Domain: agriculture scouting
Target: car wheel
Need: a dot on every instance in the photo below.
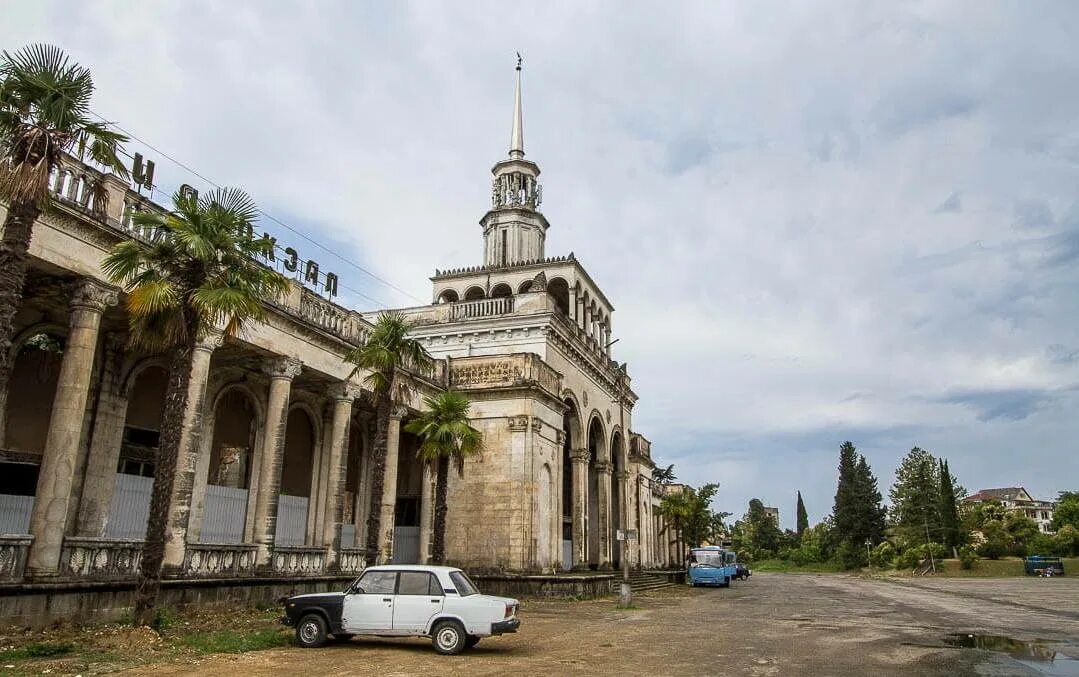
(726, 582)
(449, 638)
(311, 631)
(471, 641)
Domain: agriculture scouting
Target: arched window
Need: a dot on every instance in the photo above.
(448, 296)
(501, 290)
(474, 294)
(559, 290)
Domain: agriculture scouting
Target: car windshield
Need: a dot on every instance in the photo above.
(708, 559)
(464, 586)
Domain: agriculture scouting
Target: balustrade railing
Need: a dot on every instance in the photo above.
(463, 310)
(508, 370)
(299, 560)
(219, 559)
(13, 552)
(97, 558)
(351, 560)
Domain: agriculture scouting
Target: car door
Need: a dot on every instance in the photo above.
(419, 598)
(368, 606)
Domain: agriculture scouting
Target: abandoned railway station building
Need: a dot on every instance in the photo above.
(274, 483)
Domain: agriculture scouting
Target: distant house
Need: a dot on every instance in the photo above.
(1017, 499)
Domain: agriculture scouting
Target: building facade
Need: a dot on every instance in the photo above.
(274, 474)
(1017, 499)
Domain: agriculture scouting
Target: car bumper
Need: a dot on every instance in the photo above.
(502, 627)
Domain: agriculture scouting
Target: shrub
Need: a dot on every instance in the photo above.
(850, 556)
(967, 557)
(884, 555)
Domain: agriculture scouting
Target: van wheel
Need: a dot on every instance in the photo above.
(311, 631)
(726, 582)
(449, 638)
(471, 641)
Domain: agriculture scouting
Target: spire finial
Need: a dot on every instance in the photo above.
(517, 139)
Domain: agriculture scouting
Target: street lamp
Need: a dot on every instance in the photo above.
(868, 558)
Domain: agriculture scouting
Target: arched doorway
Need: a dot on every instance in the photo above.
(129, 507)
(618, 465)
(297, 463)
(559, 291)
(32, 388)
(233, 447)
(596, 455)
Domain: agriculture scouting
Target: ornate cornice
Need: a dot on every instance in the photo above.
(518, 423)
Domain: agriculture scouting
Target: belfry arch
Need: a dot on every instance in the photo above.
(571, 440)
(599, 482)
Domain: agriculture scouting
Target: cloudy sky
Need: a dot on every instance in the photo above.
(816, 221)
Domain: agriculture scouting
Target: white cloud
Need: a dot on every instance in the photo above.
(758, 188)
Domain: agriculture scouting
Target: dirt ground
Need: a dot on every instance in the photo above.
(774, 624)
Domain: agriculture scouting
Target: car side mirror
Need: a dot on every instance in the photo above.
(355, 590)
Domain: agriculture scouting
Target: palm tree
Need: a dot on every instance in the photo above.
(199, 273)
(44, 114)
(388, 356)
(445, 435)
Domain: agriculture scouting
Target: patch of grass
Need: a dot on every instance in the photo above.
(997, 568)
(37, 650)
(781, 565)
(233, 641)
(627, 607)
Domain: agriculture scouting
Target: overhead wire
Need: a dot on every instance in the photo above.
(261, 212)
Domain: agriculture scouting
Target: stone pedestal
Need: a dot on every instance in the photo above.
(389, 487)
(281, 372)
(183, 483)
(48, 522)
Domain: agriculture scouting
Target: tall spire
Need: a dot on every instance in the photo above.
(517, 139)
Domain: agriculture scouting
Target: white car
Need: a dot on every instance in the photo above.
(404, 601)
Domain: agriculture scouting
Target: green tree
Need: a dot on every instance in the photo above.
(1067, 510)
(1022, 532)
(857, 514)
(915, 496)
(869, 505)
(446, 436)
(389, 356)
(803, 516)
(690, 513)
(951, 528)
(664, 475)
(44, 114)
(760, 535)
(200, 273)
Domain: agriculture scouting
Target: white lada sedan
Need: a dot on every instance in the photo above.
(403, 601)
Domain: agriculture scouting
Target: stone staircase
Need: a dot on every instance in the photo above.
(641, 581)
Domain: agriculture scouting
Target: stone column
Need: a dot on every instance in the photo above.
(427, 513)
(389, 487)
(343, 395)
(48, 521)
(573, 303)
(183, 484)
(589, 326)
(579, 458)
(281, 371)
(626, 548)
(603, 470)
(105, 442)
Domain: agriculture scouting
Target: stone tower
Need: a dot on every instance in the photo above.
(514, 230)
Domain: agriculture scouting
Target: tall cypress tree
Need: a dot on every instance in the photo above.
(949, 510)
(803, 516)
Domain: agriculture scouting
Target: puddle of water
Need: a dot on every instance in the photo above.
(1032, 654)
